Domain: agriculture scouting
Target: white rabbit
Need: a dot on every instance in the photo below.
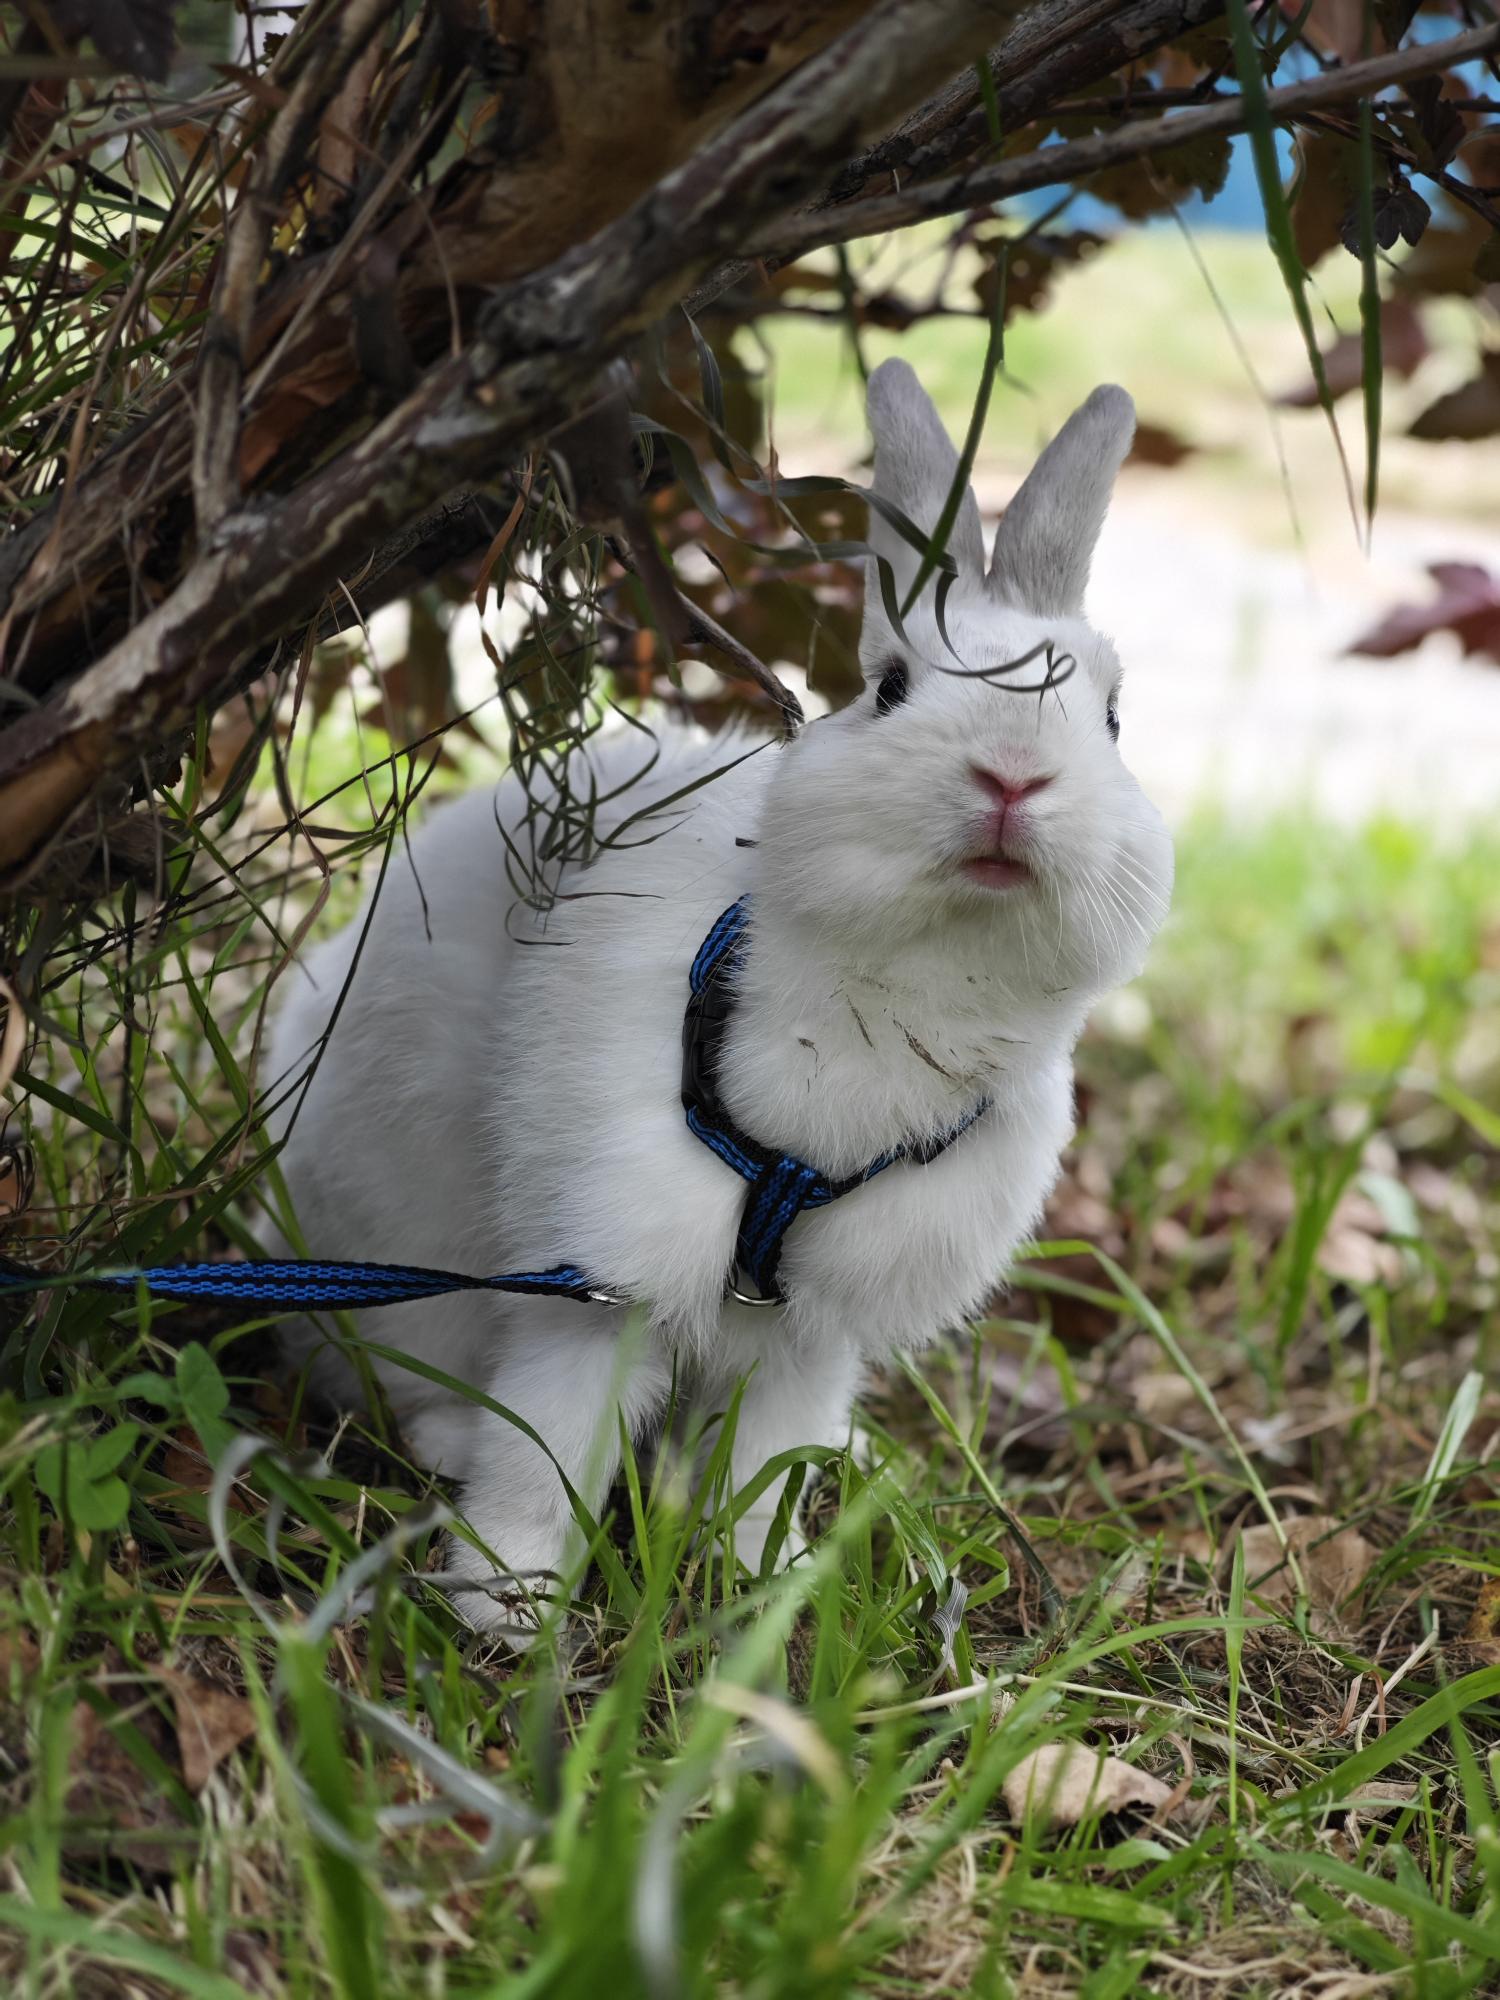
(941, 879)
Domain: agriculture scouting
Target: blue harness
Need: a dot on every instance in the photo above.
(780, 1187)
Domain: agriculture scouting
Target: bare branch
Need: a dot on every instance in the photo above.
(222, 355)
(1051, 52)
(1079, 158)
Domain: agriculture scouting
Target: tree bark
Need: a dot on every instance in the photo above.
(539, 343)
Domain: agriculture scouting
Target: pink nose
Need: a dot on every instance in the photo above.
(1008, 791)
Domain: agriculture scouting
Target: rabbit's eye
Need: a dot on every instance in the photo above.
(1112, 721)
(893, 687)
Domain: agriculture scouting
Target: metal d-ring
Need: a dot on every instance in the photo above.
(732, 1291)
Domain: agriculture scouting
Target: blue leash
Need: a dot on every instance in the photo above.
(325, 1287)
(780, 1187)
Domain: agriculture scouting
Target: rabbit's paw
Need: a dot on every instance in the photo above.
(502, 1602)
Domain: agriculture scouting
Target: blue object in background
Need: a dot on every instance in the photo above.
(1235, 206)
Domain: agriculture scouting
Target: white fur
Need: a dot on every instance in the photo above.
(488, 1104)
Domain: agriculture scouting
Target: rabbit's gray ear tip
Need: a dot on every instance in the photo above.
(1114, 406)
(890, 382)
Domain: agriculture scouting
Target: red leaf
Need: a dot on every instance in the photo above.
(1467, 604)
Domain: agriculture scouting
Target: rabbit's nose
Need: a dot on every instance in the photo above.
(1008, 791)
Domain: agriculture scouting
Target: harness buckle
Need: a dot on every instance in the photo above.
(732, 1291)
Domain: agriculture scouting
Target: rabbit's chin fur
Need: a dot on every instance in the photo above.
(499, 1093)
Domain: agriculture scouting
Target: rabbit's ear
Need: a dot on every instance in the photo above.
(915, 465)
(1046, 537)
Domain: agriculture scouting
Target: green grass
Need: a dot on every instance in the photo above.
(1172, 348)
(1271, 1283)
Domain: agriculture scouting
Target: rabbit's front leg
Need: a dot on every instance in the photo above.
(565, 1370)
(795, 1394)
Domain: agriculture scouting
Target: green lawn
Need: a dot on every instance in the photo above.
(1197, 324)
(247, 1750)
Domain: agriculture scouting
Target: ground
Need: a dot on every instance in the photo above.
(1212, 1493)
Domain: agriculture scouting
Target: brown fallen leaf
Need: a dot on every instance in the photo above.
(1062, 1783)
(1470, 411)
(1334, 1561)
(1353, 1254)
(1161, 1395)
(1467, 604)
(1382, 1796)
(1404, 346)
(1482, 1633)
(211, 1721)
(1157, 444)
(1195, 1543)
(20, 1652)
(111, 1806)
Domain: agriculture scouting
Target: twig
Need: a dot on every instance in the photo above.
(333, 60)
(1079, 158)
(1051, 52)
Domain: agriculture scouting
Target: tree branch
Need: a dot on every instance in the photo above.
(1049, 54)
(539, 343)
(1079, 158)
(322, 364)
(216, 433)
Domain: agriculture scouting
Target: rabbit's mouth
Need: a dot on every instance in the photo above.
(998, 871)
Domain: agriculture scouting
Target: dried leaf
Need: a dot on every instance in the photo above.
(111, 1806)
(1482, 1633)
(1334, 1562)
(1471, 411)
(17, 1179)
(1354, 1245)
(1404, 346)
(1161, 1395)
(1397, 211)
(1063, 1783)
(1357, 1257)
(1382, 1796)
(1139, 188)
(211, 1721)
(185, 1463)
(1337, 27)
(1156, 444)
(1436, 130)
(1032, 264)
(193, 136)
(1443, 262)
(1467, 604)
(1328, 173)
(1026, 1394)
(19, 1652)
